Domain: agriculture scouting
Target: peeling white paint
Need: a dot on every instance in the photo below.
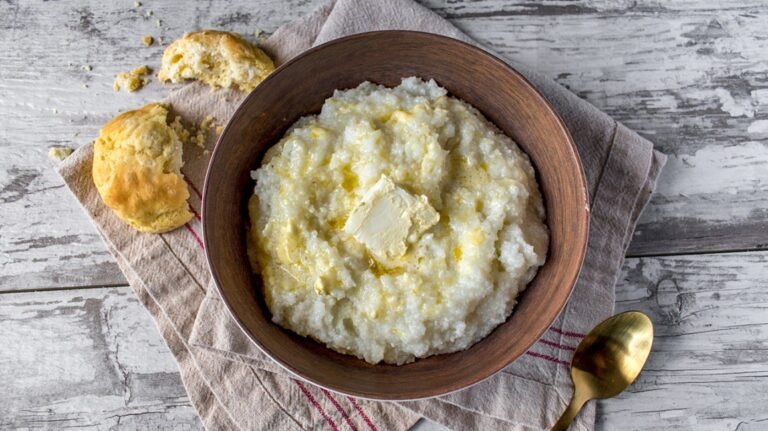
(665, 101)
(758, 127)
(638, 61)
(733, 107)
(760, 96)
(714, 168)
(83, 358)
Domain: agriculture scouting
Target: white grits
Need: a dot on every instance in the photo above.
(455, 282)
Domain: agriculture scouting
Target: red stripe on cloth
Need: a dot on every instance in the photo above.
(568, 333)
(197, 216)
(306, 392)
(317, 405)
(553, 344)
(303, 388)
(340, 409)
(547, 358)
(192, 186)
(362, 413)
(194, 234)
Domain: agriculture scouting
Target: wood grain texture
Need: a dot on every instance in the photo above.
(709, 365)
(689, 76)
(86, 359)
(45, 239)
(686, 74)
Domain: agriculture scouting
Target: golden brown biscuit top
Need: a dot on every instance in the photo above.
(137, 170)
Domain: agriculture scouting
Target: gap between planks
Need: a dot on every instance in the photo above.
(694, 253)
(6, 291)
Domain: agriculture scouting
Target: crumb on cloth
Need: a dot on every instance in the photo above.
(208, 123)
(181, 131)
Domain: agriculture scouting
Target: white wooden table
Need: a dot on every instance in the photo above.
(78, 351)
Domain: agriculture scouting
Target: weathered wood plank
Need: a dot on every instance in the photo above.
(708, 369)
(669, 71)
(688, 74)
(86, 359)
(694, 83)
(709, 365)
(453, 9)
(45, 240)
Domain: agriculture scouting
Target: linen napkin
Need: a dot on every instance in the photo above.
(234, 386)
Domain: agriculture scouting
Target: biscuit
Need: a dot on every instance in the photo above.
(137, 164)
(218, 58)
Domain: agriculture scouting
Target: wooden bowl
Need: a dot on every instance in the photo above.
(298, 88)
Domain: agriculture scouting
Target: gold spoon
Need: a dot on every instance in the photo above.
(608, 360)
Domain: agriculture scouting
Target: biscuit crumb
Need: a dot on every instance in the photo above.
(202, 130)
(137, 4)
(59, 153)
(133, 80)
(85, 85)
(159, 23)
(148, 40)
(219, 129)
(87, 67)
(180, 130)
(149, 13)
(260, 35)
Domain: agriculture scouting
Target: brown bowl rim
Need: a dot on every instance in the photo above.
(446, 388)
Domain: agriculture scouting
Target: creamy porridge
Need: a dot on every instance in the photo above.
(396, 224)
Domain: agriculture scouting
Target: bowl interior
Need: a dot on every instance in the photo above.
(299, 88)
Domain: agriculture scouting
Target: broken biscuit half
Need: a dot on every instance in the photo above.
(217, 58)
(137, 165)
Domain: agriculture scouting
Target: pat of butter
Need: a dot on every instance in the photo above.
(388, 218)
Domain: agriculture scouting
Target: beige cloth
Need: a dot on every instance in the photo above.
(233, 386)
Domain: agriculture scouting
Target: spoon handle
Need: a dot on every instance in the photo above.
(577, 401)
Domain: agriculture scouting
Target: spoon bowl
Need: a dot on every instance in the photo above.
(608, 360)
